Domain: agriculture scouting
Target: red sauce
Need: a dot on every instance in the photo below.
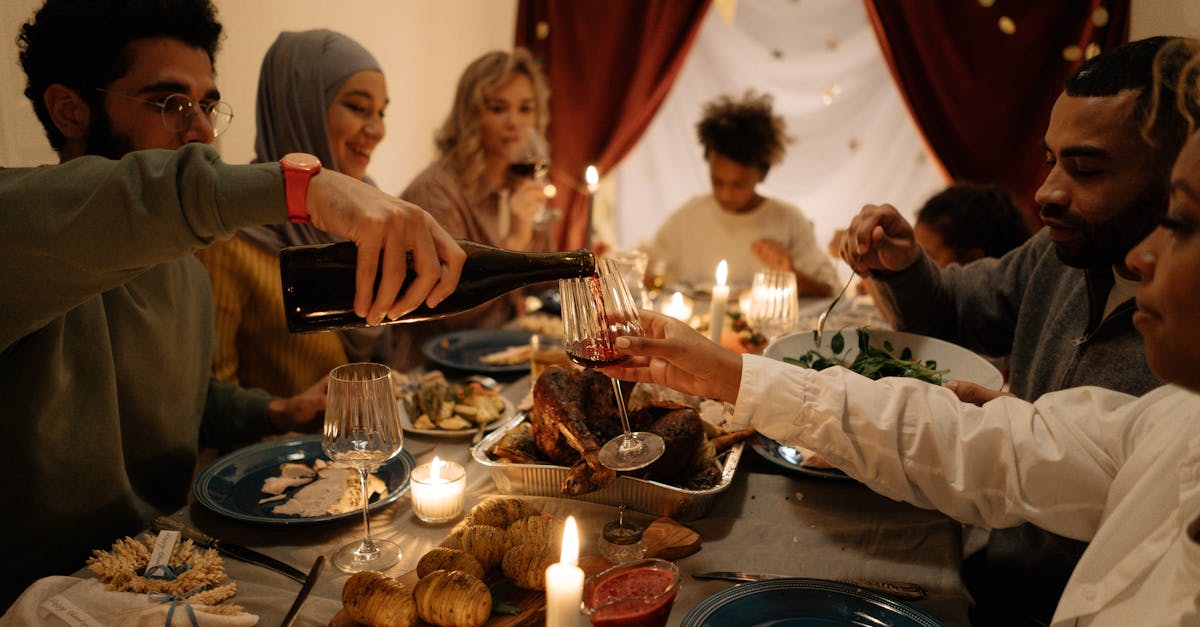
(648, 581)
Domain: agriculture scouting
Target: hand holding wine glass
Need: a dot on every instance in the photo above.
(529, 167)
(595, 311)
(362, 429)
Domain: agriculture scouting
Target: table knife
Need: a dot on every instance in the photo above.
(898, 589)
(315, 572)
(232, 550)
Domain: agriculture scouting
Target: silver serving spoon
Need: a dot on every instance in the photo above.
(829, 309)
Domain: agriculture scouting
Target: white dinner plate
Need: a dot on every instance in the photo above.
(407, 424)
(959, 362)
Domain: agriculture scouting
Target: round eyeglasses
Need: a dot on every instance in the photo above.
(178, 109)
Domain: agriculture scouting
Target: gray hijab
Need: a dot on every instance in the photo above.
(300, 76)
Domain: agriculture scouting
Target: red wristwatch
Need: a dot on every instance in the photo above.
(298, 170)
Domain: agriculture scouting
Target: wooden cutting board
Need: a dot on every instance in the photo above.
(665, 539)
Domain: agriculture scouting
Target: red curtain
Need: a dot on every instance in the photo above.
(610, 64)
(980, 77)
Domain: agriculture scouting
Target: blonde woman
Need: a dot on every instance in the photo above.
(501, 97)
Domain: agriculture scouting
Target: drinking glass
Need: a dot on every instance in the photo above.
(530, 158)
(632, 264)
(595, 311)
(774, 308)
(362, 429)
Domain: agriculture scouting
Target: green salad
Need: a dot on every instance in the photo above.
(871, 362)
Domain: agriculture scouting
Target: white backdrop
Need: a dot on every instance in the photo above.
(855, 142)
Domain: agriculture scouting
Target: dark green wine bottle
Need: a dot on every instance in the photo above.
(318, 282)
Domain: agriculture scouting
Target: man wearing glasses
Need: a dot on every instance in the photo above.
(106, 334)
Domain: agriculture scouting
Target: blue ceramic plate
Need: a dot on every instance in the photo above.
(462, 350)
(232, 485)
(792, 459)
(551, 301)
(808, 602)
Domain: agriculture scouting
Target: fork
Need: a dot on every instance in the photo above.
(829, 309)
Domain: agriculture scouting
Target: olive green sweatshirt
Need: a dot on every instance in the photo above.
(106, 337)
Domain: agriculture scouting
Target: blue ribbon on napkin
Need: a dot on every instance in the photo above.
(175, 600)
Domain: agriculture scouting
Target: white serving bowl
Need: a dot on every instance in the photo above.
(961, 363)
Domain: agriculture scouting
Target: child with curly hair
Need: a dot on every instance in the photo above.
(742, 139)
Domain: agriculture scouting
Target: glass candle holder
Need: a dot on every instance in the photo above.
(437, 490)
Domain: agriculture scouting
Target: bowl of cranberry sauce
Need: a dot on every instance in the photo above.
(635, 594)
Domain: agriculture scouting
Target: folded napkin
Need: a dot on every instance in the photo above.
(85, 602)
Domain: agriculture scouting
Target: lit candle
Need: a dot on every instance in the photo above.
(564, 583)
(720, 294)
(679, 307)
(437, 491)
(592, 176)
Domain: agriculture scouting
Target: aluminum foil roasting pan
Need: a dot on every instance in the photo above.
(650, 497)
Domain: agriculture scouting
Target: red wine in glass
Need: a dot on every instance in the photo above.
(591, 353)
(531, 169)
(595, 311)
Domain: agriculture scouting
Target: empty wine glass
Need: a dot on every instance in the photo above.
(595, 311)
(632, 264)
(362, 429)
(530, 158)
(774, 308)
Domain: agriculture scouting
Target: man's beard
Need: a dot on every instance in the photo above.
(1106, 244)
(101, 140)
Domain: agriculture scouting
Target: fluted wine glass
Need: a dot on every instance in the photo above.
(595, 311)
(362, 429)
(774, 308)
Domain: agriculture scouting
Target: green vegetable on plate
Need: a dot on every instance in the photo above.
(871, 362)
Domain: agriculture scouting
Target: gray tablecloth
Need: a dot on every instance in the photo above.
(777, 523)
(768, 520)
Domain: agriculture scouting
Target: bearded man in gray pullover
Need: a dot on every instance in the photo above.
(1059, 306)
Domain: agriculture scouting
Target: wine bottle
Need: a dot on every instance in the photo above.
(318, 282)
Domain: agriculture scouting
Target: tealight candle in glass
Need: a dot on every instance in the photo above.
(437, 491)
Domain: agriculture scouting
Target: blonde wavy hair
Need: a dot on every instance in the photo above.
(1177, 78)
(460, 136)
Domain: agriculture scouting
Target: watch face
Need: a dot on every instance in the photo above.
(301, 160)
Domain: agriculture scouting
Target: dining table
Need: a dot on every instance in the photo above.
(770, 519)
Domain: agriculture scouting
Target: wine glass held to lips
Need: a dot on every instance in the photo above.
(362, 429)
(596, 311)
(529, 158)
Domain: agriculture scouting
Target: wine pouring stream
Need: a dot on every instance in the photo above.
(595, 311)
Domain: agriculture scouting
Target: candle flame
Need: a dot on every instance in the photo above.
(435, 468)
(592, 176)
(550, 190)
(570, 543)
(677, 301)
(722, 272)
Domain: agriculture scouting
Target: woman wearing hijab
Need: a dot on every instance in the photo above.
(501, 98)
(322, 93)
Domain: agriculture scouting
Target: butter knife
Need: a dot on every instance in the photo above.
(162, 523)
(317, 566)
(898, 589)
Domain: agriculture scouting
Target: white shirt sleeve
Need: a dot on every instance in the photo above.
(1050, 463)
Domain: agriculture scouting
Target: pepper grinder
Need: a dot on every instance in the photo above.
(622, 541)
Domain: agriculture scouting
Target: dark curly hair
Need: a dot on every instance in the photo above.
(1153, 67)
(967, 215)
(745, 130)
(81, 44)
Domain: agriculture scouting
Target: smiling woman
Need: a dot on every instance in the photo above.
(322, 93)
